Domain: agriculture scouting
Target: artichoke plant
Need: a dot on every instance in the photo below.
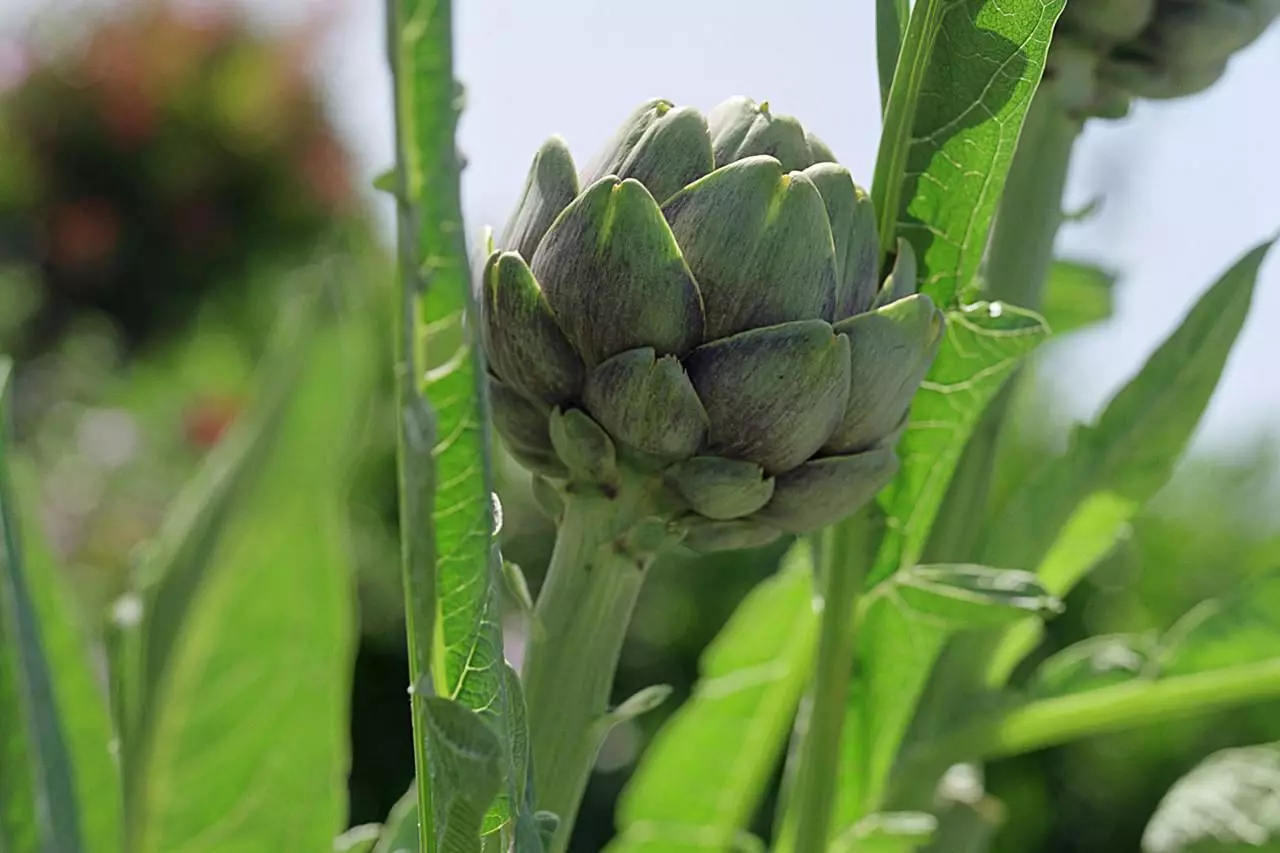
(701, 308)
(688, 341)
(1120, 49)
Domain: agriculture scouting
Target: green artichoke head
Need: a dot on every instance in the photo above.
(702, 303)
(1115, 50)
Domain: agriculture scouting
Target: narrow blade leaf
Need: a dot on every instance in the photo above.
(466, 765)
(39, 812)
(243, 744)
(699, 784)
(1141, 435)
(973, 596)
(888, 832)
(1077, 295)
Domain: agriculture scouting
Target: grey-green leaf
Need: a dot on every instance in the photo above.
(774, 395)
(823, 491)
(890, 351)
(742, 128)
(614, 275)
(647, 403)
(721, 488)
(853, 229)
(525, 346)
(1228, 804)
(696, 781)
(967, 595)
(759, 244)
(552, 184)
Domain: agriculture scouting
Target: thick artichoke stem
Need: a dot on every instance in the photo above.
(580, 622)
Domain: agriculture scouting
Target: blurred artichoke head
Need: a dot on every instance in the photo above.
(1121, 49)
(700, 308)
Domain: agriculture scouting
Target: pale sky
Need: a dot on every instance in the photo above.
(1196, 182)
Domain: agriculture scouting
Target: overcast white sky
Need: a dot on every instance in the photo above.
(1192, 184)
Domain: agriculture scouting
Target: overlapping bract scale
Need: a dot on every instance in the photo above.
(703, 303)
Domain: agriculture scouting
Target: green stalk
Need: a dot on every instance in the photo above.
(891, 29)
(579, 625)
(895, 140)
(1061, 719)
(844, 556)
(1018, 264)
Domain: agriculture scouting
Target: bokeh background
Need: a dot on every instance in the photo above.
(169, 169)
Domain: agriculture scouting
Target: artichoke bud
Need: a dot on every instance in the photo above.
(584, 448)
(552, 184)
(1147, 79)
(720, 488)
(900, 283)
(522, 339)
(647, 403)
(1107, 21)
(744, 229)
(611, 158)
(710, 536)
(524, 430)
(853, 232)
(614, 276)
(1203, 34)
(674, 151)
(773, 395)
(890, 350)
(823, 491)
(742, 128)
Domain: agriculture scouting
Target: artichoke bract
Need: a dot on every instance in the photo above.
(1120, 49)
(700, 307)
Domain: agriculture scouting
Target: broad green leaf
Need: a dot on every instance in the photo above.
(965, 595)
(39, 811)
(983, 344)
(888, 832)
(1228, 804)
(1077, 295)
(951, 127)
(358, 839)
(243, 743)
(700, 781)
(467, 773)
(400, 832)
(1133, 447)
(454, 574)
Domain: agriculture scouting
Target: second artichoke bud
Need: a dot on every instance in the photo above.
(704, 302)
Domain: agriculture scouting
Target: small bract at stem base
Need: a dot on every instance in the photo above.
(607, 538)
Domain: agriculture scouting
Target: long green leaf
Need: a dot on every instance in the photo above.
(447, 395)
(1228, 804)
(467, 764)
(244, 741)
(39, 812)
(983, 345)
(1220, 655)
(951, 127)
(699, 783)
(79, 701)
(1139, 438)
